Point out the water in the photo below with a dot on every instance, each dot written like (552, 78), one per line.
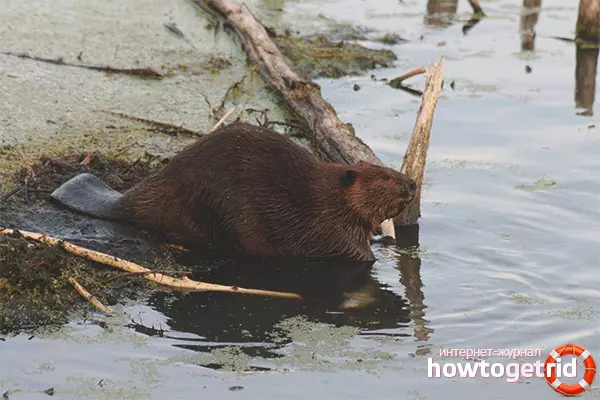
(508, 243)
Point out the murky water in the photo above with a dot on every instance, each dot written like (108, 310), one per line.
(509, 242)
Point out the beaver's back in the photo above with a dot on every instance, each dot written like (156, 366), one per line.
(243, 187)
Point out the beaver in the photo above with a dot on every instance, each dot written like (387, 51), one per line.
(251, 190)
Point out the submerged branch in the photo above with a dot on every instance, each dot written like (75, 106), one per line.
(146, 73)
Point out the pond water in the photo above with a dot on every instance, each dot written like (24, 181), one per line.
(509, 241)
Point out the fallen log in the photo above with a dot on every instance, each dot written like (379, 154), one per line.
(335, 140)
(128, 266)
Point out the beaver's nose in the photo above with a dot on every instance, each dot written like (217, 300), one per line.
(412, 185)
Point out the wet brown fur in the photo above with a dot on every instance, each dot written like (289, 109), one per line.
(248, 189)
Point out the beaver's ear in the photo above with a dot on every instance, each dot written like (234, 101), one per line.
(349, 177)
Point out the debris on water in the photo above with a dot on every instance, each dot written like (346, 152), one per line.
(391, 39)
(321, 57)
(356, 88)
(528, 69)
(175, 30)
(236, 388)
(146, 73)
(540, 184)
(50, 391)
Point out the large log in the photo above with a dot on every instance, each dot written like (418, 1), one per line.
(335, 140)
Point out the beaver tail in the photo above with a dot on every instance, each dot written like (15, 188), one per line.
(87, 194)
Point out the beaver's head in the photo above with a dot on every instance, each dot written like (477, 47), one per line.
(376, 193)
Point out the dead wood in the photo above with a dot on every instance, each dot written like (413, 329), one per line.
(89, 297)
(146, 73)
(415, 157)
(160, 126)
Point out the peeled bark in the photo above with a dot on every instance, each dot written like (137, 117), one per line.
(415, 157)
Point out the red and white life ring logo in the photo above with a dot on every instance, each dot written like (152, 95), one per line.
(588, 363)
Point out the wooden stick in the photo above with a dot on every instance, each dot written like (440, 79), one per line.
(397, 81)
(179, 283)
(89, 297)
(416, 153)
(218, 124)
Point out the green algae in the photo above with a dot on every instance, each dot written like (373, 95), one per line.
(321, 57)
(540, 184)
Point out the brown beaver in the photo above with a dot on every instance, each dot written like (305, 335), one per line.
(248, 189)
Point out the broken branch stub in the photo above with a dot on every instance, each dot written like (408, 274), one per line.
(416, 153)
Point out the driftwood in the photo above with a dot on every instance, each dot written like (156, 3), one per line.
(335, 140)
(163, 127)
(128, 266)
(396, 82)
(146, 73)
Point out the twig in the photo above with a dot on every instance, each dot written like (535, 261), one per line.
(86, 161)
(16, 190)
(397, 81)
(26, 163)
(128, 266)
(165, 127)
(325, 54)
(89, 297)
(416, 153)
(146, 73)
(230, 88)
(8, 195)
(218, 124)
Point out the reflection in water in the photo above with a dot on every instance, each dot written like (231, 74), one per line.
(338, 293)
(529, 18)
(586, 64)
(441, 13)
(409, 265)
(585, 79)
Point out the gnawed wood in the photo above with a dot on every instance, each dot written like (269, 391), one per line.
(415, 157)
(128, 266)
